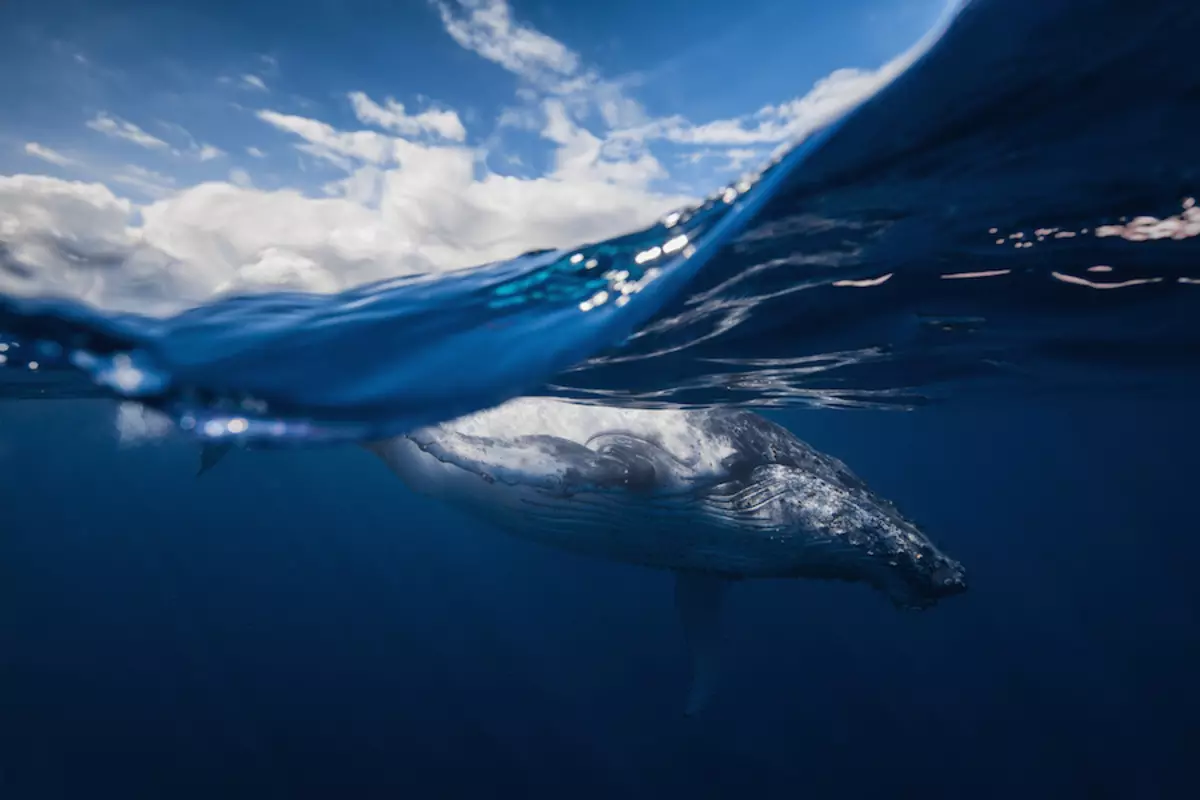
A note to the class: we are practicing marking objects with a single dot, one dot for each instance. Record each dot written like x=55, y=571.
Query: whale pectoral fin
x=211, y=455
x=698, y=599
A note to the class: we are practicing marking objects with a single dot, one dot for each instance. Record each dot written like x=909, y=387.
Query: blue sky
x=315, y=143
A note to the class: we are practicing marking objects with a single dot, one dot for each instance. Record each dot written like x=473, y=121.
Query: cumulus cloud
x=117, y=128
x=392, y=116
x=47, y=154
x=65, y=238
x=254, y=82
x=82, y=240
x=583, y=156
x=429, y=213
x=413, y=196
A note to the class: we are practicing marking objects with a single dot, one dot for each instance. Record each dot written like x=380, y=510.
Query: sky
x=156, y=154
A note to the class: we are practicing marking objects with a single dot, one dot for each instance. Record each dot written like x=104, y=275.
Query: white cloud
x=147, y=181
x=120, y=129
x=830, y=97
x=425, y=212
x=787, y=122
x=487, y=28
x=195, y=149
x=280, y=269
x=558, y=95
x=323, y=141
x=392, y=116
x=69, y=238
x=403, y=206
x=87, y=213
x=741, y=157
x=224, y=233
x=734, y=158
x=364, y=186
x=415, y=199
x=254, y=82
x=546, y=66
x=584, y=157
x=239, y=177
x=208, y=152
x=551, y=70
x=83, y=240
x=528, y=119
x=47, y=154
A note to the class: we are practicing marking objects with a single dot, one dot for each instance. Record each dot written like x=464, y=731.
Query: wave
x=1014, y=208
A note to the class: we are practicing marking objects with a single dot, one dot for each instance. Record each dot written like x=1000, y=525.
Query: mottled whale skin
x=723, y=492
x=714, y=495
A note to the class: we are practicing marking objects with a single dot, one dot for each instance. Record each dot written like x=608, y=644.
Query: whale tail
x=698, y=600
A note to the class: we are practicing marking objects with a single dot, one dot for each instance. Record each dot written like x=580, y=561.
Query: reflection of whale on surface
x=715, y=495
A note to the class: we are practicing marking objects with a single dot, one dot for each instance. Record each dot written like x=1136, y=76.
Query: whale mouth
x=925, y=592
x=949, y=580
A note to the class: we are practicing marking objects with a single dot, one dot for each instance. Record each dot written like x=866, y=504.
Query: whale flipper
x=698, y=599
x=211, y=455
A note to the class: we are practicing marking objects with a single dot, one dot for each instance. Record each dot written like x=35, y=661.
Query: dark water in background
x=296, y=624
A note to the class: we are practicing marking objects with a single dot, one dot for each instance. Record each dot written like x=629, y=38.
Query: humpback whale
x=714, y=496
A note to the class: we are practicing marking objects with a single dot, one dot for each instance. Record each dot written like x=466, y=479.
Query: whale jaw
x=922, y=585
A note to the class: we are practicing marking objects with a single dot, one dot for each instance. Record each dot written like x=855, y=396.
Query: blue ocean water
x=994, y=261
x=297, y=624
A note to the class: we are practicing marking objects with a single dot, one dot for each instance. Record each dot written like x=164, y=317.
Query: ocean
x=978, y=289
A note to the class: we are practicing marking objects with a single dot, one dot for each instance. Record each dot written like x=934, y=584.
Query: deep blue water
x=296, y=623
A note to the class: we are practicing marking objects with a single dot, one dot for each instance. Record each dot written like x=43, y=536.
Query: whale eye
x=640, y=475
x=638, y=472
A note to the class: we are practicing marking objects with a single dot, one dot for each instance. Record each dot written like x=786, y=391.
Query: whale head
x=918, y=577
x=832, y=526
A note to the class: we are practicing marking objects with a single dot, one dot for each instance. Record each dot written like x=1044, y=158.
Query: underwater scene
x=499, y=398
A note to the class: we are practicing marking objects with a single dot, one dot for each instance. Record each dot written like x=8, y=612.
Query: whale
x=713, y=496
